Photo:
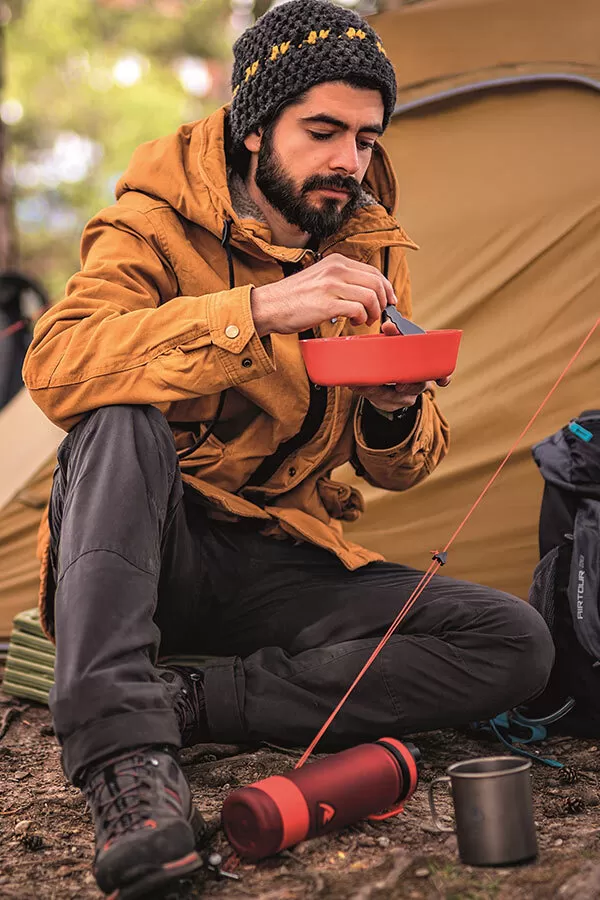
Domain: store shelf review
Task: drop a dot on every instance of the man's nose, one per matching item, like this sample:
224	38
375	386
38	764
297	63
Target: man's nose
345	159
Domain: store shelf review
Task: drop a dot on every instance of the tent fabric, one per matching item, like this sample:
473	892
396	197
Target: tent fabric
19	565
27	439
501	190
442	44
28	443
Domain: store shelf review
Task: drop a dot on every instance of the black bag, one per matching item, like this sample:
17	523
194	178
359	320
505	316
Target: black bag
566	582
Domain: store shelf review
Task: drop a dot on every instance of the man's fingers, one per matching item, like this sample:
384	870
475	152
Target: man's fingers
410	389
357	294
371	281
388	288
354	311
378	283
387	396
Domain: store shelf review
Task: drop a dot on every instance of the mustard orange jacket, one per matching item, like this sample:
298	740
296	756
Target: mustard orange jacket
148	320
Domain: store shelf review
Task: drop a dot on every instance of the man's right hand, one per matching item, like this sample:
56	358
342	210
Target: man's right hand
335	286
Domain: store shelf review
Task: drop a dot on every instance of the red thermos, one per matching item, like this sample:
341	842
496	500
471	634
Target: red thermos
369	781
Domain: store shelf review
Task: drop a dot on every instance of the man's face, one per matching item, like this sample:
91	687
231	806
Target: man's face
312	161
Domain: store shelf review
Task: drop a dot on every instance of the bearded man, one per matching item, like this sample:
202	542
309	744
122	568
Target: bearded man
193	509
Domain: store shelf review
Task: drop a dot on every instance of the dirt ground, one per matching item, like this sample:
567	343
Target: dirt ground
46	836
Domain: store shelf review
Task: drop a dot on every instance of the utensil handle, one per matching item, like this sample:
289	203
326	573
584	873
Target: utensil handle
404	326
434	813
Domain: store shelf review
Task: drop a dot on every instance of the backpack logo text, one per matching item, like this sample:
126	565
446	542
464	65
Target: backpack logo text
580	586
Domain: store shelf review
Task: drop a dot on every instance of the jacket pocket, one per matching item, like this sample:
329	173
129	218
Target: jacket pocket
211	449
340	500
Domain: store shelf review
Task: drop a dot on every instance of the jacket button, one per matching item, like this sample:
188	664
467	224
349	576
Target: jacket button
247	362
232	331
291	471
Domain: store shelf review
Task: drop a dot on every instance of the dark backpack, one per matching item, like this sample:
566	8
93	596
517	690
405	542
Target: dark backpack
566	582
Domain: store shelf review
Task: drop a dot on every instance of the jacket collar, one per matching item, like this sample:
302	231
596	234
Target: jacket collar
371	227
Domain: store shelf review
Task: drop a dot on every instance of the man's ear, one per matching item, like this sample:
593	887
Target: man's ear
253	141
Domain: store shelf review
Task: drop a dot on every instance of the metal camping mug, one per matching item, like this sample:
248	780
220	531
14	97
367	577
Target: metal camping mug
493	808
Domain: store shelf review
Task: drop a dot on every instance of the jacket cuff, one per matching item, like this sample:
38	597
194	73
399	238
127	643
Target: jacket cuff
381	433
242	354
361	433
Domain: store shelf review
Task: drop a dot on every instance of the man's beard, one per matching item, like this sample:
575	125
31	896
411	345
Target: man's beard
281	192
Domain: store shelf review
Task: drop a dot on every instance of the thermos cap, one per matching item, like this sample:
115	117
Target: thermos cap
253	822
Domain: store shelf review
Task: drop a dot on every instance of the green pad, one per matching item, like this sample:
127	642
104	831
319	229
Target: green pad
29	620
26	692
29	669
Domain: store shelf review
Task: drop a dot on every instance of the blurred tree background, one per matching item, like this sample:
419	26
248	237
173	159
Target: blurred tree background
85	82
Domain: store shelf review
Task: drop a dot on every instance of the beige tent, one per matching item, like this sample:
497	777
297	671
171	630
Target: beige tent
496	145
28	443
496	148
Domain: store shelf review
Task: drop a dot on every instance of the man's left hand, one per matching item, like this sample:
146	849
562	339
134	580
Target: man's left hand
391	397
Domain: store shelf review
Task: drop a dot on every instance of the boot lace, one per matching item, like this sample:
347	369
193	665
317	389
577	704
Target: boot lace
120	796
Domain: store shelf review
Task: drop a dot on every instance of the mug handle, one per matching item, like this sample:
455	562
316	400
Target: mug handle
434	813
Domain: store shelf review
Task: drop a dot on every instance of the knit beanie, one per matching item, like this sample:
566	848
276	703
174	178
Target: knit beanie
295	46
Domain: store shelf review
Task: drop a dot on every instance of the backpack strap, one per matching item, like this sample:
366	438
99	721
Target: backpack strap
513	729
508	740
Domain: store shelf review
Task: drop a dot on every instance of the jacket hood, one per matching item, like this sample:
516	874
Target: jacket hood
188	171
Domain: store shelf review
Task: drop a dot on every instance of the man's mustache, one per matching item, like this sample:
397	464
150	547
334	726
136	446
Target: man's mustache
333	182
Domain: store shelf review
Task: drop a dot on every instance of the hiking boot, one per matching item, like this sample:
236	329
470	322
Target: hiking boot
186	686
147	827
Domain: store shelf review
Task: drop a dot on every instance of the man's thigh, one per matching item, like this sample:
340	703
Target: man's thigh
185	600
299	597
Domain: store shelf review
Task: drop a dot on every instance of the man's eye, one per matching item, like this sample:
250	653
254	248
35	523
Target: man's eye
320	135
366	145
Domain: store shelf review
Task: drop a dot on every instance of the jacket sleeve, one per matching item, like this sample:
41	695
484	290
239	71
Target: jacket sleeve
403	465
114	338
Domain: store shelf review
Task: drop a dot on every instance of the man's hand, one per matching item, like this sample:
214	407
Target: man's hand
391	397
335	286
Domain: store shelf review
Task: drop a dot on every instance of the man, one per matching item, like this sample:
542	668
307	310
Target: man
193	509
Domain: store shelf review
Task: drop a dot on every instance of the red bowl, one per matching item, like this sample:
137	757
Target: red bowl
381	358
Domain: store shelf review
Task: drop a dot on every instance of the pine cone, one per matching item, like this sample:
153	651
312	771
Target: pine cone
568	775
555	809
32	842
574	805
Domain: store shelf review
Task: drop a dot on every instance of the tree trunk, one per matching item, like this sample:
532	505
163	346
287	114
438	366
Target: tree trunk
7	240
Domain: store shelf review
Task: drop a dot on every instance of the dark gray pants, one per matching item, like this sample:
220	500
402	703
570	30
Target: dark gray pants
141	570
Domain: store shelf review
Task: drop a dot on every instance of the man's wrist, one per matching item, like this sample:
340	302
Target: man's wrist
262	322
395	415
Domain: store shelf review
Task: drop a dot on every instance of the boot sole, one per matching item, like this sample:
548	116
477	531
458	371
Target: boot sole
168	873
